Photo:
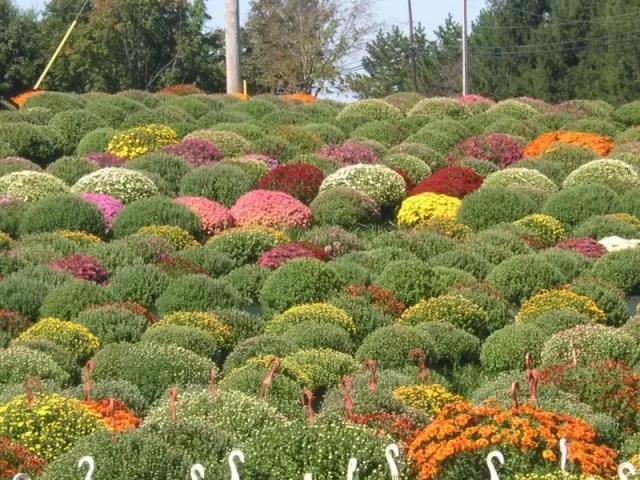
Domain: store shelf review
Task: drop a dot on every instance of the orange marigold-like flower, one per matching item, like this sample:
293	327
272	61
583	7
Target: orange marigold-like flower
598	143
118	420
20	100
301	97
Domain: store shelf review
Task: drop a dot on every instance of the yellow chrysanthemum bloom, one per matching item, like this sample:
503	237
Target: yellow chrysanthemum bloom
178	237
448	226
202	320
545	227
560	299
420	208
312	312
81	237
73	337
137	141
430	399
626	217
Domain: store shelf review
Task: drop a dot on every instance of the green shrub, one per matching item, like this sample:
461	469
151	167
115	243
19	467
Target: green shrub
275	147
215	117
231	144
221	183
248	131
551	169
63	212
629	114
372	109
133	250
366	317
141	284
602	226
73	125
630	202
607	297
390	346
301	138
454	346
192	339
18	362
410	281
512	108
71	298
576	204
433	159
71	169
22	295
41	144
320	368
56	102
122	390
151	367
596	125
351	272
111	114
158	116
313	335
344	207
197	293
522	276
505	349
244	246
248	281
463	259
322	313
510	126
569	263
569	157
10	215
385	132
329	134
35	116
439	108
423	244
484	168
255	170
170	168
112	324
415	168
215	263
439	141
254	107
620	269
491	206
348	123
258	347
154	211
243	325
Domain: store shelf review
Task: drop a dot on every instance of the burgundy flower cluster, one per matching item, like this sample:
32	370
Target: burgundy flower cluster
196	151
278	256
105	159
350	153
299	180
176	267
587	246
452	181
497	148
83	267
12	323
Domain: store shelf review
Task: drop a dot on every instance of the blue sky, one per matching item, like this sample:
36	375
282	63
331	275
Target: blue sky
429	13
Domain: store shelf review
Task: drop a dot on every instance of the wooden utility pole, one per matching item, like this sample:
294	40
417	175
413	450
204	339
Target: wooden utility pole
232	42
465	52
413	50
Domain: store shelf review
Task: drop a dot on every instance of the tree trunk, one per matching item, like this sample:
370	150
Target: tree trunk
232	38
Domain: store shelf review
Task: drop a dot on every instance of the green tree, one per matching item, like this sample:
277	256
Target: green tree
20	57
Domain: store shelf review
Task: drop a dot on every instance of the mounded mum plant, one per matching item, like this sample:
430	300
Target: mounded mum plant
196	151
137	141
381	183
214	217
350	153
548	141
420	208
270	209
497	148
299	180
120	183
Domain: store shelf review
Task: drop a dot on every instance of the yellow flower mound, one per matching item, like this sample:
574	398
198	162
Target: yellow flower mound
625	217
551	300
137	141
323	313
278	236
73	337
545	227
447	226
178	237
80	237
202	320
430	399
419	208
49	427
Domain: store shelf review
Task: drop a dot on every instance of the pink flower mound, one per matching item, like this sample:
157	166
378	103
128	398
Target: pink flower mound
109	206
350	153
497	148
278	256
83	267
476	98
105	159
271	209
587	246
214	218
196	151
266	159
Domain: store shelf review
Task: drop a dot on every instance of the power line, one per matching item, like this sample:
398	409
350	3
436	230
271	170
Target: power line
568	20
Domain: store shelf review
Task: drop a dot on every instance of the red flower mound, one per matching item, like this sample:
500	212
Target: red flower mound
497	148
14	459
379	297
398	426
473	98
407	181
350	153
587	246
453	181
278	256
181	90
299	180
83	267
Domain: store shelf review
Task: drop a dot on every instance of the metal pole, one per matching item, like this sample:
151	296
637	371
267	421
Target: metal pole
232	39
465	53
59	49
413	50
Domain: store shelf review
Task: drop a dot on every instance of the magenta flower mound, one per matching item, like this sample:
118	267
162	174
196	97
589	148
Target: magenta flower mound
476	98
196	151
7	199
587	246
278	256
266	159
83	267
350	153
108	205
105	159
497	148
214	218
271	209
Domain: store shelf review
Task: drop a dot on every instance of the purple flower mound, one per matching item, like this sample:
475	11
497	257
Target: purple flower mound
109	206
350	153
196	151
105	159
7	199
269	161
83	267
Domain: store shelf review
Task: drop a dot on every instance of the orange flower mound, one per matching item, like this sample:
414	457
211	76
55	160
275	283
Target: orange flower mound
525	434
240	96
120	420
20	100
599	144
181	90
301	97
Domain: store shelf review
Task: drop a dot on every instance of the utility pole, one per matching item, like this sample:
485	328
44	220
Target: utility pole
465	52
413	50
232	42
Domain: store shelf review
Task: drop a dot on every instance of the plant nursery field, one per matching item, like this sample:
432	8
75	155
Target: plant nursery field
184	275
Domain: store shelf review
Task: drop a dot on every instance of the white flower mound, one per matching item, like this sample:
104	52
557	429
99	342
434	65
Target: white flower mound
524	177
381	183
29	186
608	171
615	244
125	185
